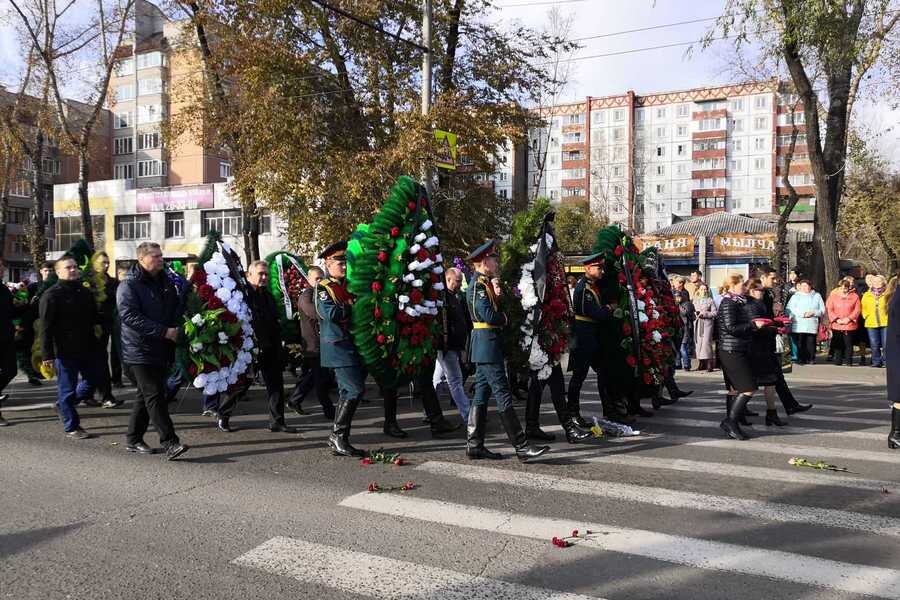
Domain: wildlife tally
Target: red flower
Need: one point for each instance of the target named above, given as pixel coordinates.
(432, 294)
(229, 317)
(415, 297)
(626, 329)
(399, 461)
(622, 278)
(198, 277)
(631, 360)
(373, 487)
(646, 361)
(377, 312)
(411, 205)
(382, 256)
(214, 303)
(192, 370)
(422, 254)
(205, 292)
(574, 533)
(380, 339)
(619, 251)
(395, 231)
(366, 461)
(376, 286)
(648, 379)
(409, 485)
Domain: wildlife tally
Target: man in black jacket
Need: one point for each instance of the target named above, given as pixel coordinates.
(8, 311)
(150, 313)
(264, 320)
(69, 316)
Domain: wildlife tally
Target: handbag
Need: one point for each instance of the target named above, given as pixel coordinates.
(781, 344)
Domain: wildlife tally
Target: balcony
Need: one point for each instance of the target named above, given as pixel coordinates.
(709, 114)
(709, 135)
(714, 153)
(708, 193)
(708, 174)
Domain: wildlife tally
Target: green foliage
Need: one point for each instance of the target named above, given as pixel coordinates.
(209, 248)
(576, 227)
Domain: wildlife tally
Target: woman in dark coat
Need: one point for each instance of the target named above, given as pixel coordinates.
(763, 362)
(735, 337)
(892, 360)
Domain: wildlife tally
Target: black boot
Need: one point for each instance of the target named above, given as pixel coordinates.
(391, 427)
(475, 434)
(894, 437)
(533, 413)
(517, 437)
(731, 424)
(340, 431)
(658, 401)
(224, 425)
(574, 433)
(672, 388)
(798, 408)
(772, 419)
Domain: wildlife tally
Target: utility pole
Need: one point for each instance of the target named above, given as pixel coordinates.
(426, 79)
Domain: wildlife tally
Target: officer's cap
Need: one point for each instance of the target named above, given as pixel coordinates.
(483, 251)
(335, 250)
(593, 259)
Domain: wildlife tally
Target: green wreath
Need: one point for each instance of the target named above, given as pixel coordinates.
(288, 277)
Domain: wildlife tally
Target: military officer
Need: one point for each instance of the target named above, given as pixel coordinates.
(590, 313)
(337, 351)
(487, 354)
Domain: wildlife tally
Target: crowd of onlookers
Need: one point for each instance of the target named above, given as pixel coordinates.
(850, 323)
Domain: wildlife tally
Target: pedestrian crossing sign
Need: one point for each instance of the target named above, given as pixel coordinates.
(445, 157)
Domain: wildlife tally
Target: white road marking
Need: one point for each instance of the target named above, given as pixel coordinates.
(796, 418)
(755, 445)
(769, 511)
(692, 552)
(383, 578)
(790, 429)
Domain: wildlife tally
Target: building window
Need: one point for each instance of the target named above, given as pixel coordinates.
(265, 217)
(124, 92)
(759, 183)
(21, 188)
(660, 188)
(151, 168)
(760, 123)
(149, 86)
(660, 169)
(618, 191)
(710, 124)
(122, 120)
(683, 110)
(226, 222)
(660, 132)
(225, 170)
(760, 102)
(619, 114)
(16, 216)
(599, 116)
(149, 59)
(554, 194)
(681, 150)
(639, 115)
(681, 187)
(132, 227)
(759, 203)
(150, 113)
(174, 225)
(69, 230)
(617, 171)
(618, 134)
(660, 150)
(680, 168)
(737, 124)
(681, 130)
(737, 105)
(759, 164)
(574, 119)
(51, 166)
(149, 141)
(737, 203)
(737, 185)
(125, 67)
(573, 173)
(736, 165)
(619, 153)
(123, 145)
(759, 143)
(572, 137)
(660, 113)
(124, 171)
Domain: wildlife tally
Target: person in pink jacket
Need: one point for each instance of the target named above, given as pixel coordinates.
(843, 308)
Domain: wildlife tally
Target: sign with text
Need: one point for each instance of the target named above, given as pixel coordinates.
(668, 245)
(743, 244)
(180, 198)
(446, 150)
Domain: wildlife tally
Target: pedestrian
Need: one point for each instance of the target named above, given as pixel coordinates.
(264, 320)
(874, 312)
(8, 312)
(107, 313)
(482, 300)
(314, 376)
(695, 280)
(337, 351)
(769, 279)
(735, 335)
(25, 333)
(892, 359)
(805, 308)
(149, 309)
(704, 328)
(571, 281)
(861, 335)
(843, 308)
(765, 369)
(453, 343)
(69, 315)
(688, 316)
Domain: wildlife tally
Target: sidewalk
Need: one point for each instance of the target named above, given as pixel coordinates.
(821, 373)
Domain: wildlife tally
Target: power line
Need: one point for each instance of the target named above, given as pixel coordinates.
(638, 30)
(368, 24)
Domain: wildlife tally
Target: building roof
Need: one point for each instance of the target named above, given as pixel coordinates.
(722, 222)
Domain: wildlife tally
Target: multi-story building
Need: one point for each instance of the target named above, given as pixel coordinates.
(646, 161)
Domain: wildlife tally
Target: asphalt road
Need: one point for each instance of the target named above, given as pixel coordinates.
(677, 512)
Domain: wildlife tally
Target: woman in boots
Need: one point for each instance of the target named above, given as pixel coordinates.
(735, 336)
(892, 360)
(704, 327)
(762, 362)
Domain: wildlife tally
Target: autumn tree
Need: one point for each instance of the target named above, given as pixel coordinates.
(577, 227)
(830, 48)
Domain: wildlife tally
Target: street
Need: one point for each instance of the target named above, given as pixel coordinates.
(679, 512)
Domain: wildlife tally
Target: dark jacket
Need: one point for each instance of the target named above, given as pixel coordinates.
(147, 307)
(309, 323)
(488, 321)
(892, 349)
(264, 318)
(590, 312)
(688, 316)
(735, 328)
(459, 324)
(108, 309)
(763, 362)
(68, 315)
(7, 314)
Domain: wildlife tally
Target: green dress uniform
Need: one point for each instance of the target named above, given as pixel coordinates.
(337, 352)
(490, 375)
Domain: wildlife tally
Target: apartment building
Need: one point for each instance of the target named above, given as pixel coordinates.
(148, 84)
(647, 161)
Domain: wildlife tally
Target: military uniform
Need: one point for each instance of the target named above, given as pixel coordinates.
(490, 375)
(337, 351)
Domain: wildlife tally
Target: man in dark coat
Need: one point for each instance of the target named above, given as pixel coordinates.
(264, 320)
(8, 311)
(892, 362)
(315, 376)
(69, 317)
(150, 314)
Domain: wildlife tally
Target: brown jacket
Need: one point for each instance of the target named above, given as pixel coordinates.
(309, 323)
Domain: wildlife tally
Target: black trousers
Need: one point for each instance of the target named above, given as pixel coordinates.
(115, 354)
(806, 346)
(579, 374)
(7, 365)
(150, 406)
(842, 342)
(270, 367)
(314, 377)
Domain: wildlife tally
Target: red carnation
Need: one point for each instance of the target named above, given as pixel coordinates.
(432, 294)
(626, 329)
(631, 360)
(411, 205)
(214, 303)
(198, 277)
(382, 256)
(648, 379)
(380, 339)
(229, 317)
(395, 231)
(415, 297)
(376, 286)
(622, 278)
(377, 312)
(424, 201)
(422, 254)
(192, 370)
(434, 278)
(646, 361)
(205, 292)
(619, 251)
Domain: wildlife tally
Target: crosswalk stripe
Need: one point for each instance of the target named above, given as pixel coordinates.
(756, 445)
(806, 417)
(383, 578)
(657, 496)
(817, 406)
(699, 423)
(692, 552)
(744, 471)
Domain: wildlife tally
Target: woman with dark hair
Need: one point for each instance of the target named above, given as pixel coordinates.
(763, 362)
(735, 337)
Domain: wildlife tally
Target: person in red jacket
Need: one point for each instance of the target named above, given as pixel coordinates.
(843, 308)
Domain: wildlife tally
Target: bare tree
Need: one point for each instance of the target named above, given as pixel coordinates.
(97, 41)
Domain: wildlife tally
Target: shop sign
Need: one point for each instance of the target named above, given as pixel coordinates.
(668, 245)
(743, 244)
(179, 198)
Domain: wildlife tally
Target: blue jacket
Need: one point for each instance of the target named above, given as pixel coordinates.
(487, 319)
(148, 306)
(336, 347)
(589, 312)
(798, 305)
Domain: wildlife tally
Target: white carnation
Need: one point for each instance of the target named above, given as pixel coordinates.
(197, 347)
(403, 299)
(228, 283)
(223, 294)
(431, 242)
(417, 283)
(209, 389)
(642, 317)
(200, 380)
(426, 225)
(657, 337)
(439, 258)
(438, 286)
(197, 319)
(420, 237)
(213, 280)
(414, 248)
(438, 269)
